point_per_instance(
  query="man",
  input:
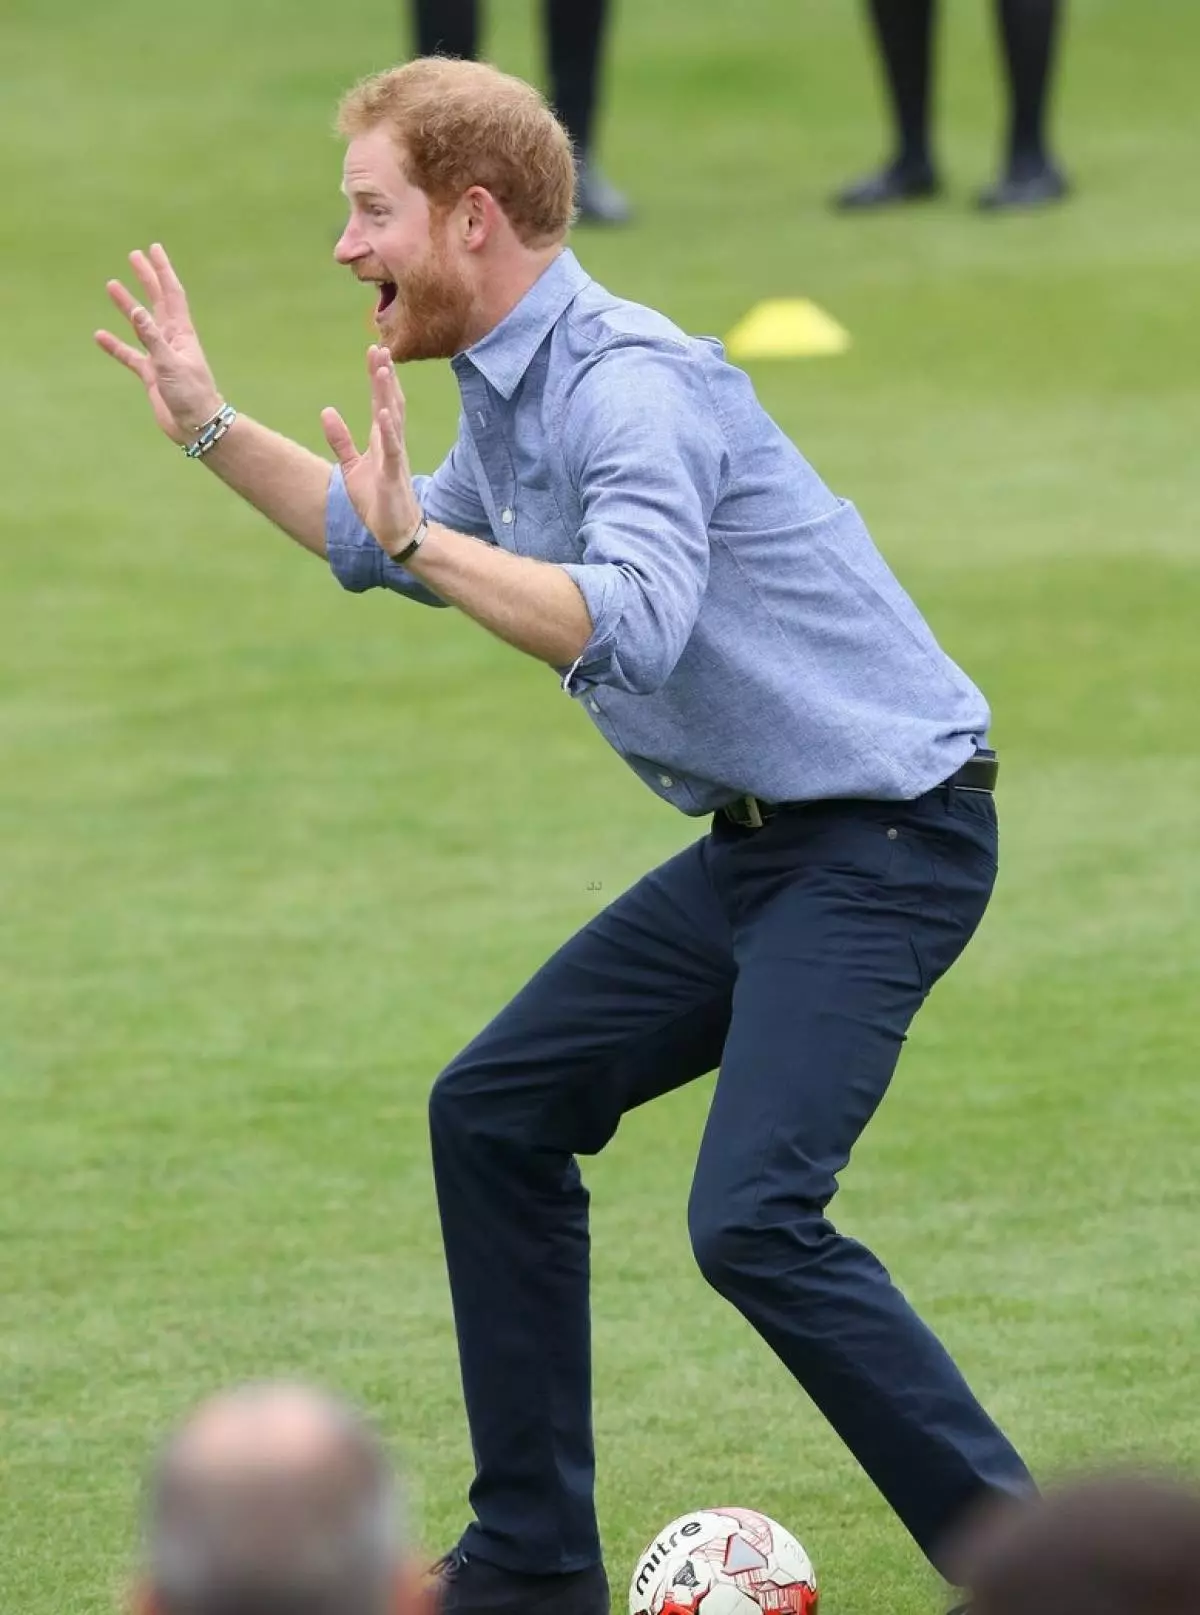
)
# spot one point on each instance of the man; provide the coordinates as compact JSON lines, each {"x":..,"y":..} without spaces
{"x":574,"y":33}
{"x":1030,"y":177}
{"x":618,"y":505}
{"x":1112,"y":1545}
{"x":274,"y":1500}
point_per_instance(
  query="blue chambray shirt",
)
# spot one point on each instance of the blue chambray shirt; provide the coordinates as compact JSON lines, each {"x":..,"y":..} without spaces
{"x":748,"y":636}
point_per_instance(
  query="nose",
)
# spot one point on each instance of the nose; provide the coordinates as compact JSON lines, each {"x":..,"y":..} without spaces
{"x":349,"y":246}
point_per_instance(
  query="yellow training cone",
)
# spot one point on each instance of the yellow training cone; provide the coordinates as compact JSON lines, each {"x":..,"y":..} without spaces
{"x":786,"y":328}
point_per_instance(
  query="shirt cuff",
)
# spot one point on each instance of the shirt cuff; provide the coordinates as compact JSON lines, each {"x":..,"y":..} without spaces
{"x":599,"y":587}
{"x":355,"y":559}
{"x":354,"y":556}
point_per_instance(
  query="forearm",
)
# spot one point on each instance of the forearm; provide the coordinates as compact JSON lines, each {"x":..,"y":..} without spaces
{"x":285,"y":481}
{"x":532,"y":605}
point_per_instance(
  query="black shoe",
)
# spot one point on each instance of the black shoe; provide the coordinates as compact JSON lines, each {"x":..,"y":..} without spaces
{"x":899,"y":182}
{"x":470,"y":1586}
{"x":597,"y":200}
{"x":1035,"y":187}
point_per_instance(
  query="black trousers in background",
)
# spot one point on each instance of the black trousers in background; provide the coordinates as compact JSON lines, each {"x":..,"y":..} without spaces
{"x":1028,"y":31}
{"x":793,"y":957}
{"x":574,"y":31}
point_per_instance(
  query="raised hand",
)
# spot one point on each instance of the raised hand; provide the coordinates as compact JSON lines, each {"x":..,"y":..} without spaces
{"x":378,"y":481}
{"x":172,"y":367}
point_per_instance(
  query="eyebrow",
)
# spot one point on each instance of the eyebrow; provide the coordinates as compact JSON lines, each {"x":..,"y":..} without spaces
{"x":365,"y":193}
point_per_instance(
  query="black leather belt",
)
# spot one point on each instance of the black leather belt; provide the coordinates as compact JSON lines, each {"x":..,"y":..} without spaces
{"x":978,"y":773}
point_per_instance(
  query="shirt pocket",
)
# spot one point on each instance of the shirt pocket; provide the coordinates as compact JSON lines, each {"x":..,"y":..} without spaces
{"x":539,"y":530}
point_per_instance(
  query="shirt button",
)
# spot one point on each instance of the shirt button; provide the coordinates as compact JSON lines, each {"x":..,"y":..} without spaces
{"x":595,"y":705}
{"x":666,"y":780}
{"x":506,"y":516}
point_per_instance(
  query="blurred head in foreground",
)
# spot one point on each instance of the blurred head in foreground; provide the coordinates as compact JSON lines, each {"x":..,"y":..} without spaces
{"x":275,"y":1500}
{"x":1116,"y":1545}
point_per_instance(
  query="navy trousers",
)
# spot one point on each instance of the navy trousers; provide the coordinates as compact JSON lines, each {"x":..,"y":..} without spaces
{"x":793,"y":957}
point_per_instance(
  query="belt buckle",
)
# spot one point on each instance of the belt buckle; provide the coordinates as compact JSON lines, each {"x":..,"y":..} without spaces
{"x":754,"y":818}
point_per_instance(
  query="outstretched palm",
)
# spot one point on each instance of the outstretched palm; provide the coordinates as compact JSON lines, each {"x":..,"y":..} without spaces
{"x":378,"y":481}
{"x":173,"y":369}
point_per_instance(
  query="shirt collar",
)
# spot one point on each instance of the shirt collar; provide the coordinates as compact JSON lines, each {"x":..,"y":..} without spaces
{"x":504,"y":355}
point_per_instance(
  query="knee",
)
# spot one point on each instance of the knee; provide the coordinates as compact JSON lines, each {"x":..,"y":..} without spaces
{"x":474,"y":1105}
{"x":720,"y":1241}
{"x":732,"y":1244}
{"x":452,"y":1110}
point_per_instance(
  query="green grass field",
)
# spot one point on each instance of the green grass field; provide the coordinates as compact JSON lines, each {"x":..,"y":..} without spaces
{"x":272,"y":854}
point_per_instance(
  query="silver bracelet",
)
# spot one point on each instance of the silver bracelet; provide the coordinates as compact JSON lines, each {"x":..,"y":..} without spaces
{"x":414,"y":544}
{"x":211,"y":432}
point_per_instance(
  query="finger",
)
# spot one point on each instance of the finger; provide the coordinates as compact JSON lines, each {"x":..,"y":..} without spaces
{"x":142,"y":322}
{"x":124,"y":354}
{"x":389,"y":439}
{"x":144,"y":270}
{"x":148,"y":333}
{"x":395,"y":396}
{"x":174,"y":296}
{"x":380,"y":361}
{"x":122,"y":297}
{"x":386,"y":389}
{"x":337,"y":435}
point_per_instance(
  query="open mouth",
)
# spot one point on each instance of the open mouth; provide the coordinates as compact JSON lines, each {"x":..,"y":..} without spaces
{"x":387,"y":296}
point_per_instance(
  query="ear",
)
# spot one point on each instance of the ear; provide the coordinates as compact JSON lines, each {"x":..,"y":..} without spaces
{"x":480,"y":216}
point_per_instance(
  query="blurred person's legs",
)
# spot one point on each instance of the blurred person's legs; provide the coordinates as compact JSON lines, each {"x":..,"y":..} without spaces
{"x":904,"y":34}
{"x":575,"y":35}
{"x":1029,"y":31}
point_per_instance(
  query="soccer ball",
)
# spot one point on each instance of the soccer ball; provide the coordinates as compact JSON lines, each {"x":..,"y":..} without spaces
{"x":723,"y":1561}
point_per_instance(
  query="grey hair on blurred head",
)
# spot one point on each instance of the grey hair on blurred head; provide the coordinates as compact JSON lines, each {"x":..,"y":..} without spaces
{"x":273,"y":1500}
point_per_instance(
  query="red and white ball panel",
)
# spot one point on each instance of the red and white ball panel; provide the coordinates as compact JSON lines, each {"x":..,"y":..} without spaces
{"x":723,"y":1561}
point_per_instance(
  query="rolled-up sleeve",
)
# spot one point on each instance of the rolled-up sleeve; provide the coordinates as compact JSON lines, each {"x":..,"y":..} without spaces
{"x":450,"y":496}
{"x":646,"y":452}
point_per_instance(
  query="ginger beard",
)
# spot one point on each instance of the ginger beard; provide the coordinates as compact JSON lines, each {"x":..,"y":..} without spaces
{"x":427,"y":314}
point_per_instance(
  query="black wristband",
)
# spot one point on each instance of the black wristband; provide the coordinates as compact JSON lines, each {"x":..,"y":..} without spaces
{"x":418,"y":539}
